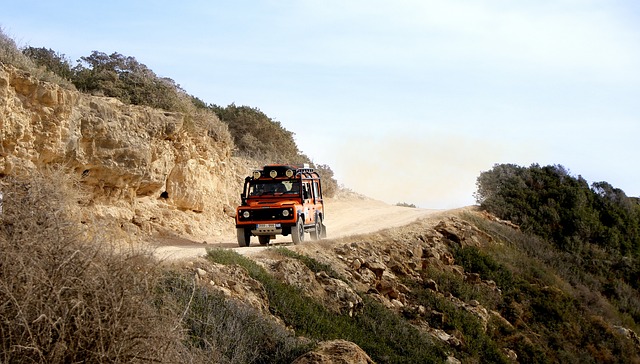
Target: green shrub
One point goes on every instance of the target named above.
(51, 60)
(549, 202)
(405, 204)
(474, 260)
(132, 82)
(259, 137)
(329, 184)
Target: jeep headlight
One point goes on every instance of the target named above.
(289, 173)
(273, 173)
(256, 174)
(246, 214)
(285, 213)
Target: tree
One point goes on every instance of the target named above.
(51, 60)
(329, 184)
(258, 136)
(127, 79)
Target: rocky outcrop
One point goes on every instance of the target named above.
(233, 282)
(334, 294)
(378, 265)
(145, 167)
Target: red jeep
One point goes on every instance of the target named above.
(281, 200)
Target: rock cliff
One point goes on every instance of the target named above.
(150, 170)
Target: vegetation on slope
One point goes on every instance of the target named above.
(598, 225)
(381, 333)
(259, 137)
(584, 240)
(554, 313)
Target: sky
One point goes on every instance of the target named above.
(406, 100)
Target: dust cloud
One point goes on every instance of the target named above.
(438, 171)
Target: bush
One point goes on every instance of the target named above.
(132, 82)
(313, 265)
(329, 184)
(405, 204)
(51, 60)
(478, 346)
(10, 54)
(65, 296)
(551, 203)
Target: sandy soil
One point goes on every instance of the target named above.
(344, 217)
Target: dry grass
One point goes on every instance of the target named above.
(64, 295)
(10, 54)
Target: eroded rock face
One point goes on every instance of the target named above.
(138, 163)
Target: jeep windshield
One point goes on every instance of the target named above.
(273, 188)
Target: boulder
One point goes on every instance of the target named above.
(335, 352)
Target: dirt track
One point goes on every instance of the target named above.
(344, 217)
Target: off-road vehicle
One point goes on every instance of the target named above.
(281, 200)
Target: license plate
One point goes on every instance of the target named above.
(268, 226)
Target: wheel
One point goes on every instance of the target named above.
(244, 237)
(297, 233)
(264, 239)
(317, 234)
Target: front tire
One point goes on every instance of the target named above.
(244, 237)
(297, 233)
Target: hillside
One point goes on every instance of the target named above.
(90, 182)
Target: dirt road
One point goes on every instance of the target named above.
(344, 217)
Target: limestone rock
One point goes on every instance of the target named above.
(335, 352)
(333, 293)
(234, 282)
(462, 233)
(150, 164)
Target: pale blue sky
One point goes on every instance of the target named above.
(407, 100)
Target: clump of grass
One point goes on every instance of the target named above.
(383, 334)
(228, 331)
(10, 54)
